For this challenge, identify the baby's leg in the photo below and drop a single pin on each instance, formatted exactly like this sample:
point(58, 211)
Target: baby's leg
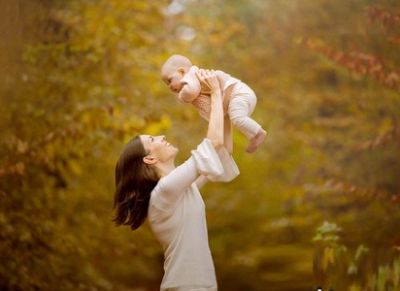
point(240, 108)
point(256, 141)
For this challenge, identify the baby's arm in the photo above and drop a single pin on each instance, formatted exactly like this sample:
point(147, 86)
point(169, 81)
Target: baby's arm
point(191, 86)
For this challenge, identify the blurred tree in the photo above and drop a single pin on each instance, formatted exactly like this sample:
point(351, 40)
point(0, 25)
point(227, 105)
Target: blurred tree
point(80, 72)
point(331, 154)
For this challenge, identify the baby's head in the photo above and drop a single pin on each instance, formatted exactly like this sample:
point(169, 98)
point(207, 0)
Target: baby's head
point(173, 71)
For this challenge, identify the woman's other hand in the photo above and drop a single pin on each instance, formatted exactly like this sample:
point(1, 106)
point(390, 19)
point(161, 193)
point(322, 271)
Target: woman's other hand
point(208, 80)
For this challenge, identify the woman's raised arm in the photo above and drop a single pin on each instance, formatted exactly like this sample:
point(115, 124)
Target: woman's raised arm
point(215, 132)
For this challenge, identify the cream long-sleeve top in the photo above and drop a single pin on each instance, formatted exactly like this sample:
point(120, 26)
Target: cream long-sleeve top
point(192, 92)
point(178, 220)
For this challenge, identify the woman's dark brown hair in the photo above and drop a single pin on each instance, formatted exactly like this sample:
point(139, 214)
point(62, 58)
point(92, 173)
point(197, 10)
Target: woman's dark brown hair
point(134, 181)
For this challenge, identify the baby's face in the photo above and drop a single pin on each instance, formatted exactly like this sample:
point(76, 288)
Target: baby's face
point(173, 79)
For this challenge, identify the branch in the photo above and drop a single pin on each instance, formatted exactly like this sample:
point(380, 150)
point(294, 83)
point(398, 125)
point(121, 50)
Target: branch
point(344, 188)
point(388, 20)
point(393, 134)
point(359, 63)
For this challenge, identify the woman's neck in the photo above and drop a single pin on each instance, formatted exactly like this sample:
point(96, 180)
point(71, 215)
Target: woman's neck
point(165, 169)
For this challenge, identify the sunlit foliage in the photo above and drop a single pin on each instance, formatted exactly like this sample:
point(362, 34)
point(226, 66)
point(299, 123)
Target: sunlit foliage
point(80, 78)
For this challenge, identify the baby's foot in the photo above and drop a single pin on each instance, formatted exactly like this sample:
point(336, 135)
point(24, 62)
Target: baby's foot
point(256, 141)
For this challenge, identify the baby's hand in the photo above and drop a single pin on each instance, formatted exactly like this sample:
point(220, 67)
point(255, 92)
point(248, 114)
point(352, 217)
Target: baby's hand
point(208, 80)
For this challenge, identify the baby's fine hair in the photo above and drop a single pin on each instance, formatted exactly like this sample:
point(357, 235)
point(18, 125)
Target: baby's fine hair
point(178, 61)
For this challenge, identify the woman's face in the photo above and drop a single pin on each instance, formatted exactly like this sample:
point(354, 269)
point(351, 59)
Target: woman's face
point(158, 148)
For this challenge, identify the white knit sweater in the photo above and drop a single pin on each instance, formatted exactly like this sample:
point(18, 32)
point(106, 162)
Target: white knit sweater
point(178, 220)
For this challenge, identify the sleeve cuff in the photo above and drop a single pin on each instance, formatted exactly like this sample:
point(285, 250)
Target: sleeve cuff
point(217, 167)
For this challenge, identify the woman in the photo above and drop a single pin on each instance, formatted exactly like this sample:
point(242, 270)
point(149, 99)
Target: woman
point(149, 185)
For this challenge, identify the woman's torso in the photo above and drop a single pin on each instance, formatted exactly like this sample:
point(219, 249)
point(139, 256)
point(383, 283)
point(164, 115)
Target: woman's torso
point(181, 229)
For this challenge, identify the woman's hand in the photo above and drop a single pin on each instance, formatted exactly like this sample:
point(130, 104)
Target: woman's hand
point(208, 80)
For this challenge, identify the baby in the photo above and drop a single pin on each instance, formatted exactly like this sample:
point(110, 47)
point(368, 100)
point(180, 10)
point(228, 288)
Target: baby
point(239, 99)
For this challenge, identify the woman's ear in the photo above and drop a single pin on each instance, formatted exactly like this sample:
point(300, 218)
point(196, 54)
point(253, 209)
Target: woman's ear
point(149, 160)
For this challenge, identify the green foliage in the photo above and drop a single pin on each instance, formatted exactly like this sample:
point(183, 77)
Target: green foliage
point(386, 278)
point(327, 232)
point(350, 268)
